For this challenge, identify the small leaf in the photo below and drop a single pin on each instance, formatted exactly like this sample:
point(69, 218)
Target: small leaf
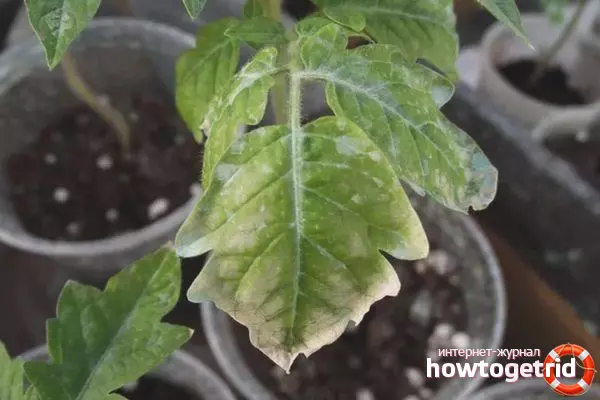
point(258, 31)
point(422, 29)
point(58, 22)
point(11, 377)
point(507, 12)
point(253, 9)
point(194, 7)
point(243, 102)
point(396, 102)
point(351, 19)
point(100, 341)
point(203, 71)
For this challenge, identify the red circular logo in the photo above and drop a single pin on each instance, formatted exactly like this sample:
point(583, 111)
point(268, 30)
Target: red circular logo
point(583, 359)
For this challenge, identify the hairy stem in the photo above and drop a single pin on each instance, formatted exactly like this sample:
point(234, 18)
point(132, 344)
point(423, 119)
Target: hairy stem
point(103, 108)
point(279, 95)
point(549, 55)
point(113, 117)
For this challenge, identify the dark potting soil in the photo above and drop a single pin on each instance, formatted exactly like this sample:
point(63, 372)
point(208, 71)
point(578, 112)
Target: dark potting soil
point(75, 183)
point(156, 389)
point(385, 356)
point(299, 9)
point(552, 87)
point(583, 154)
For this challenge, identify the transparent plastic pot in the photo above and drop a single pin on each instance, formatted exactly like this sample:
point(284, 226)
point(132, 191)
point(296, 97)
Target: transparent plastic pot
point(483, 290)
point(115, 56)
point(526, 389)
point(180, 369)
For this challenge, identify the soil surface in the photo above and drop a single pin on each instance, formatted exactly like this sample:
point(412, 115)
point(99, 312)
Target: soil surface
point(299, 9)
point(552, 87)
point(384, 357)
point(75, 182)
point(582, 152)
point(156, 389)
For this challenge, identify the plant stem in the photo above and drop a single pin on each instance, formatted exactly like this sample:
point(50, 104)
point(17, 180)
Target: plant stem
point(103, 108)
point(549, 55)
point(279, 94)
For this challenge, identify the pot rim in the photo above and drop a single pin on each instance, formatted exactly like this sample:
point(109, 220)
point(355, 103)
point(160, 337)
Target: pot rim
point(490, 69)
point(201, 371)
point(120, 242)
point(217, 328)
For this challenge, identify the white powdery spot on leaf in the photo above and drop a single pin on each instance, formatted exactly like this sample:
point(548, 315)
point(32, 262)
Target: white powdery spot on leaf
point(347, 146)
point(223, 172)
point(375, 156)
point(357, 199)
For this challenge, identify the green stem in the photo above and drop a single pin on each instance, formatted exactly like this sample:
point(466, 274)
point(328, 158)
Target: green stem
point(279, 94)
point(549, 55)
point(86, 94)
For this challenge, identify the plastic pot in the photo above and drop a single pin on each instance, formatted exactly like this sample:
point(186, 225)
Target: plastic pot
point(113, 56)
point(500, 46)
point(526, 389)
point(180, 369)
point(483, 290)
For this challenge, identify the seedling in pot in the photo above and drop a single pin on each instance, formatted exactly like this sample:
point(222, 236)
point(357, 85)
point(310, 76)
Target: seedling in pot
point(541, 78)
point(82, 179)
point(296, 215)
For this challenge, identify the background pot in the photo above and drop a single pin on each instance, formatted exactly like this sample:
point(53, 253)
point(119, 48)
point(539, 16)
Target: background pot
point(180, 369)
point(500, 46)
point(526, 389)
point(484, 298)
point(30, 94)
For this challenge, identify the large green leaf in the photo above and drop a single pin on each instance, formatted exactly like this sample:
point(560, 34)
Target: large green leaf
point(100, 341)
point(507, 12)
point(422, 29)
point(58, 22)
point(402, 116)
point(194, 7)
point(295, 218)
point(203, 71)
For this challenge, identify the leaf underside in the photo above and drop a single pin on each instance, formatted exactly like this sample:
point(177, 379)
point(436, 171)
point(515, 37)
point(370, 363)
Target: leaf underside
point(194, 7)
point(296, 216)
point(100, 341)
point(58, 22)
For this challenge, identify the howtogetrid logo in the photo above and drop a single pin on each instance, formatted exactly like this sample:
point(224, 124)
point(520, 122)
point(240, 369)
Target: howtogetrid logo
point(552, 370)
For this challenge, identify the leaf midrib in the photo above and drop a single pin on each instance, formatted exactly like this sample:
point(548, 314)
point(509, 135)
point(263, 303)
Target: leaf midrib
point(92, 374)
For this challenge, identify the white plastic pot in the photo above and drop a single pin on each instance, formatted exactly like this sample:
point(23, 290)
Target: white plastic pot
point(180, 369)
point(115, 56)
point(500, 46)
